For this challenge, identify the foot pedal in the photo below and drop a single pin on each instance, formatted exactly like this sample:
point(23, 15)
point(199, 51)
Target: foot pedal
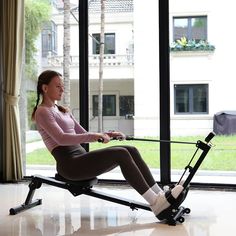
point(173, 215)
point(176, 202)
point(174, 212)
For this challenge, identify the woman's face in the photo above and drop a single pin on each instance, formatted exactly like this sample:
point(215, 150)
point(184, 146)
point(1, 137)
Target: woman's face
point(54, 90)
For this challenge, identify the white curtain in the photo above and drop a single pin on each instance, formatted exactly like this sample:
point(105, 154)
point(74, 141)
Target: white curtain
point(13, 41)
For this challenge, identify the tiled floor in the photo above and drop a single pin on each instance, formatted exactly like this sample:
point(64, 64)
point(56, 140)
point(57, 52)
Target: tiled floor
point(212, 214)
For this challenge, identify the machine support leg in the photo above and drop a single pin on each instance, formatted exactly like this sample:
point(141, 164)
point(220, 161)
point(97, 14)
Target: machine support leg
point(29, 203)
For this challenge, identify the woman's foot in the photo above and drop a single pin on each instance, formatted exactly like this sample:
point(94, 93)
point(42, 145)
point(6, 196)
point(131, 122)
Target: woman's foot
point(167, 188)
point(161, 202)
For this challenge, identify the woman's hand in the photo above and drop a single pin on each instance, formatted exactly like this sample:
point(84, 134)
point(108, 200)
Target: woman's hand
point(102, 137)
point(116, 135)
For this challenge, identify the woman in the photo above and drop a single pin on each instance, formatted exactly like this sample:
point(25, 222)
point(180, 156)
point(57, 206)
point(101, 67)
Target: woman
point(62, 135)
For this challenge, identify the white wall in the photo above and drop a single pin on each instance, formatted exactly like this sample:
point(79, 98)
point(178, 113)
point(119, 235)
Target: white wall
point(146, 67)
point(216, 69)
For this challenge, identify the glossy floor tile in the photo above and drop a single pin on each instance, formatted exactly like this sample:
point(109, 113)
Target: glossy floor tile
point(212, 214)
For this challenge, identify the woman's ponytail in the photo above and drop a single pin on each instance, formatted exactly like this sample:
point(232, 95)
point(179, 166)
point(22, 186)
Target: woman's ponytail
point(36, 106)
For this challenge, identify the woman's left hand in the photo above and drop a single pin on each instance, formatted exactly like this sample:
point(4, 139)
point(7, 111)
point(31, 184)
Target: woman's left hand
point(116, 135)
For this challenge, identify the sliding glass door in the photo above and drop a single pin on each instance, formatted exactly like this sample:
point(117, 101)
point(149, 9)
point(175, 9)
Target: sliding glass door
point(202, 87)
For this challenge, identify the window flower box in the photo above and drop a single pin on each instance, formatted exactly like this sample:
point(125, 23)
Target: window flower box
point(184, 45)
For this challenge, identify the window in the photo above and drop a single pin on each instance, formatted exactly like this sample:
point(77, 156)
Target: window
point(192, 28)
point(49, 39)
point(191, 99)
point(126, 105)
point(109, 105)
point(109, 46)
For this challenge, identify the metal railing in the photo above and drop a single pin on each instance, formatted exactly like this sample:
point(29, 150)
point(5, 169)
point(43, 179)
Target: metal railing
point(109, 60)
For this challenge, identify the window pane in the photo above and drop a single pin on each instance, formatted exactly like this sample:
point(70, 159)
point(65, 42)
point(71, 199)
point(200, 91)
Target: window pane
point(200, 95)
point(182, 99)
point(191, 99)
point(96, 41)
point(199, 28)
point(211, 90)
point(180, 28)
point(127, 24)
point(95, 105)
point(126, 105)
point(109, 105)
point(193, 28)
point(45, 51)
point(49, 39)
point(109, 43)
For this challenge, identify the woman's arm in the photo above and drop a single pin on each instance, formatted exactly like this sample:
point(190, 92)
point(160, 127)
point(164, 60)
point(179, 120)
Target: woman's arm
point(45, 120)
point(104, 137)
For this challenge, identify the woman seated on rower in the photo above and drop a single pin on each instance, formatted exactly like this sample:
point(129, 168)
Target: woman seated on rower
point(62, 135)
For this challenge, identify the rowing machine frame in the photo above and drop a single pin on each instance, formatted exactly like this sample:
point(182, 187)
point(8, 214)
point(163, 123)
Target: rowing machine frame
point(172, 215)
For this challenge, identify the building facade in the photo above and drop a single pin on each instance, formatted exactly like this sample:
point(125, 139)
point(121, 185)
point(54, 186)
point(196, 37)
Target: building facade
point(201, 79)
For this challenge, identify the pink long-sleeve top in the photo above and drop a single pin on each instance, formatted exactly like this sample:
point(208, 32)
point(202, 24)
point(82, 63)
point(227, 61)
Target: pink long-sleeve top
point(60, 129)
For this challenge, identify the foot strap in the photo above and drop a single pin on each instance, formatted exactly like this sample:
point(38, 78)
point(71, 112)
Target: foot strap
point(170, 198)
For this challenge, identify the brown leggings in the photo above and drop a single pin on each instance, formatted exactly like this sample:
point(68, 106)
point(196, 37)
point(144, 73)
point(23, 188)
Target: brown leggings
point(74, 163)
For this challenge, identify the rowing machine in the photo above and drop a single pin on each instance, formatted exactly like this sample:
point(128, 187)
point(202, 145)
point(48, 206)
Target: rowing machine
point(171, 215)
point(175, 212)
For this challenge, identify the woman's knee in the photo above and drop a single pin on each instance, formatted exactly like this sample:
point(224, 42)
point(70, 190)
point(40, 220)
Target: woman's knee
point(122, 154)
point(134, 152)
point(132, 149)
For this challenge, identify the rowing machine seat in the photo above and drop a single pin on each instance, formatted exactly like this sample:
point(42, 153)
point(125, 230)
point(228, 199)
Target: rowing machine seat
point(82, 183)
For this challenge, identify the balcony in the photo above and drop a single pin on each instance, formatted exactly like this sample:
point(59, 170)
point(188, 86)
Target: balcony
point(109, 60)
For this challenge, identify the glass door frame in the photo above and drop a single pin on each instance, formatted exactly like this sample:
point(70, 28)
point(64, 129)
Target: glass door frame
point(164, 80)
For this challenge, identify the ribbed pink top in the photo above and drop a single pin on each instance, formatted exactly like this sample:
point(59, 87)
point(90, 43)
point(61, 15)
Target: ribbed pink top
point(60, 129)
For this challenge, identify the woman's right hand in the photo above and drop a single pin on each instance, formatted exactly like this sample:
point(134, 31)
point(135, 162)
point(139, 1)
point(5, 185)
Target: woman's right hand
point(103, 138)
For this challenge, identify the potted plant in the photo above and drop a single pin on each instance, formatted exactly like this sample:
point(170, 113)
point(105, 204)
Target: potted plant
point(191, 45)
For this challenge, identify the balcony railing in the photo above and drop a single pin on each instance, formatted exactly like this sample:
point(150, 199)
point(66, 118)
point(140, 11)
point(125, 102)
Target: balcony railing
point(108, 60)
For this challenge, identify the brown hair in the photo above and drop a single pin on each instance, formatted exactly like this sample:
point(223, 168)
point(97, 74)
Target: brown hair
point(45, 78)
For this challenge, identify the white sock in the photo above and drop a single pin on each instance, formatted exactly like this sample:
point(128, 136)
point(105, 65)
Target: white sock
point(156, 188)
point(161, 202)
point(150, 196)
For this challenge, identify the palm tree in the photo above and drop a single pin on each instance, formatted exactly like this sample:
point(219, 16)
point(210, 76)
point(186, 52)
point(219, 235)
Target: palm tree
point(100, 95)
point(66, 54)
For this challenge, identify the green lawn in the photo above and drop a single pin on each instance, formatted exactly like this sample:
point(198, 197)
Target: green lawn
point(221, 157)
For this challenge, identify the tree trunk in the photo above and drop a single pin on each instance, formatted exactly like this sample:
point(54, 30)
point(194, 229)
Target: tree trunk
point(66, 54)
point(100, 95)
